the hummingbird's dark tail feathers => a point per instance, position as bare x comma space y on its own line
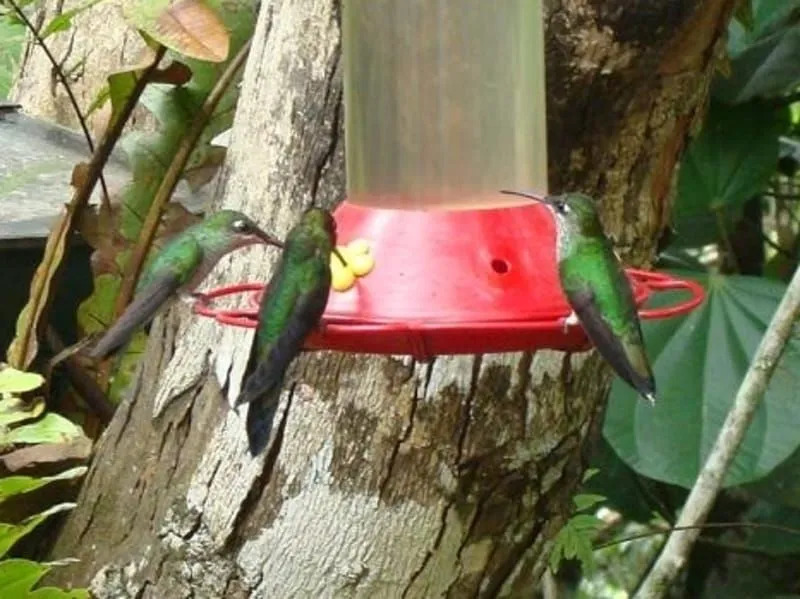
262, 391
140, 311
260, 417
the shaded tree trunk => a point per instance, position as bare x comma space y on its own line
388, 477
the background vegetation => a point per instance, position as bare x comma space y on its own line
736, 229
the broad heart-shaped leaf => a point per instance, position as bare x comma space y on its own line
19, 576
731, 159
699, 362
16, 485
18, 381
190, 27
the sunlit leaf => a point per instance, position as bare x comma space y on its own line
14, 409
700, 361
52, 428
16, 485
583, 501
19, 576
18, 381
190, 27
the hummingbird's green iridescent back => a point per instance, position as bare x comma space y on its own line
299, 288
599, 291
180, 266
291, 308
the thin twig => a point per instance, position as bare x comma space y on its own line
709, 482
57, 68
668, 529
171, 178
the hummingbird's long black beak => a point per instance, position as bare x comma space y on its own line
523, 194
268, 239
339, 255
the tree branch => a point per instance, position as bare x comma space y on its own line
705, 490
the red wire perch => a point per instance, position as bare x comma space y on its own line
427, 339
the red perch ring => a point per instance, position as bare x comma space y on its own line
452, 282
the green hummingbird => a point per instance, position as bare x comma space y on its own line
178, 268
597, 289
291, 307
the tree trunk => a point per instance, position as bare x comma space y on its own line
388, 477
98, 43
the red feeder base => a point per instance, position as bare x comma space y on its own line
453, 282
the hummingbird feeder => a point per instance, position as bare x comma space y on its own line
445, 106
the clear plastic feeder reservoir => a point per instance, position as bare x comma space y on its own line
445, 106
445, 102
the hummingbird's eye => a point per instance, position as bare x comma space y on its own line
240, 226
562, 207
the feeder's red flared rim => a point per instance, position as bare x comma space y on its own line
651, 281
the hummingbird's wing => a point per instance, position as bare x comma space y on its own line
138, 313
624, 350
262, 388
165, 276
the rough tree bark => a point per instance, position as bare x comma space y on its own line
391, 478
85, 57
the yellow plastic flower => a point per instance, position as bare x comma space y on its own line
359, 263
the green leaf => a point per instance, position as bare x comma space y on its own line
19, 576
17, 381
763, 56
700, 361
54, 593
16, 485
731, 160
52, 428
63, 21
574, 540
14, 409
772, 540
583, 501
190, 27
11, 533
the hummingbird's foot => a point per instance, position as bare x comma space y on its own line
195, 297
569, 321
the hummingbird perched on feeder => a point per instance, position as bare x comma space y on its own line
597, 289
291, 307
178, 268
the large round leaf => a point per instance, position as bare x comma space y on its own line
699, 362
731, 160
